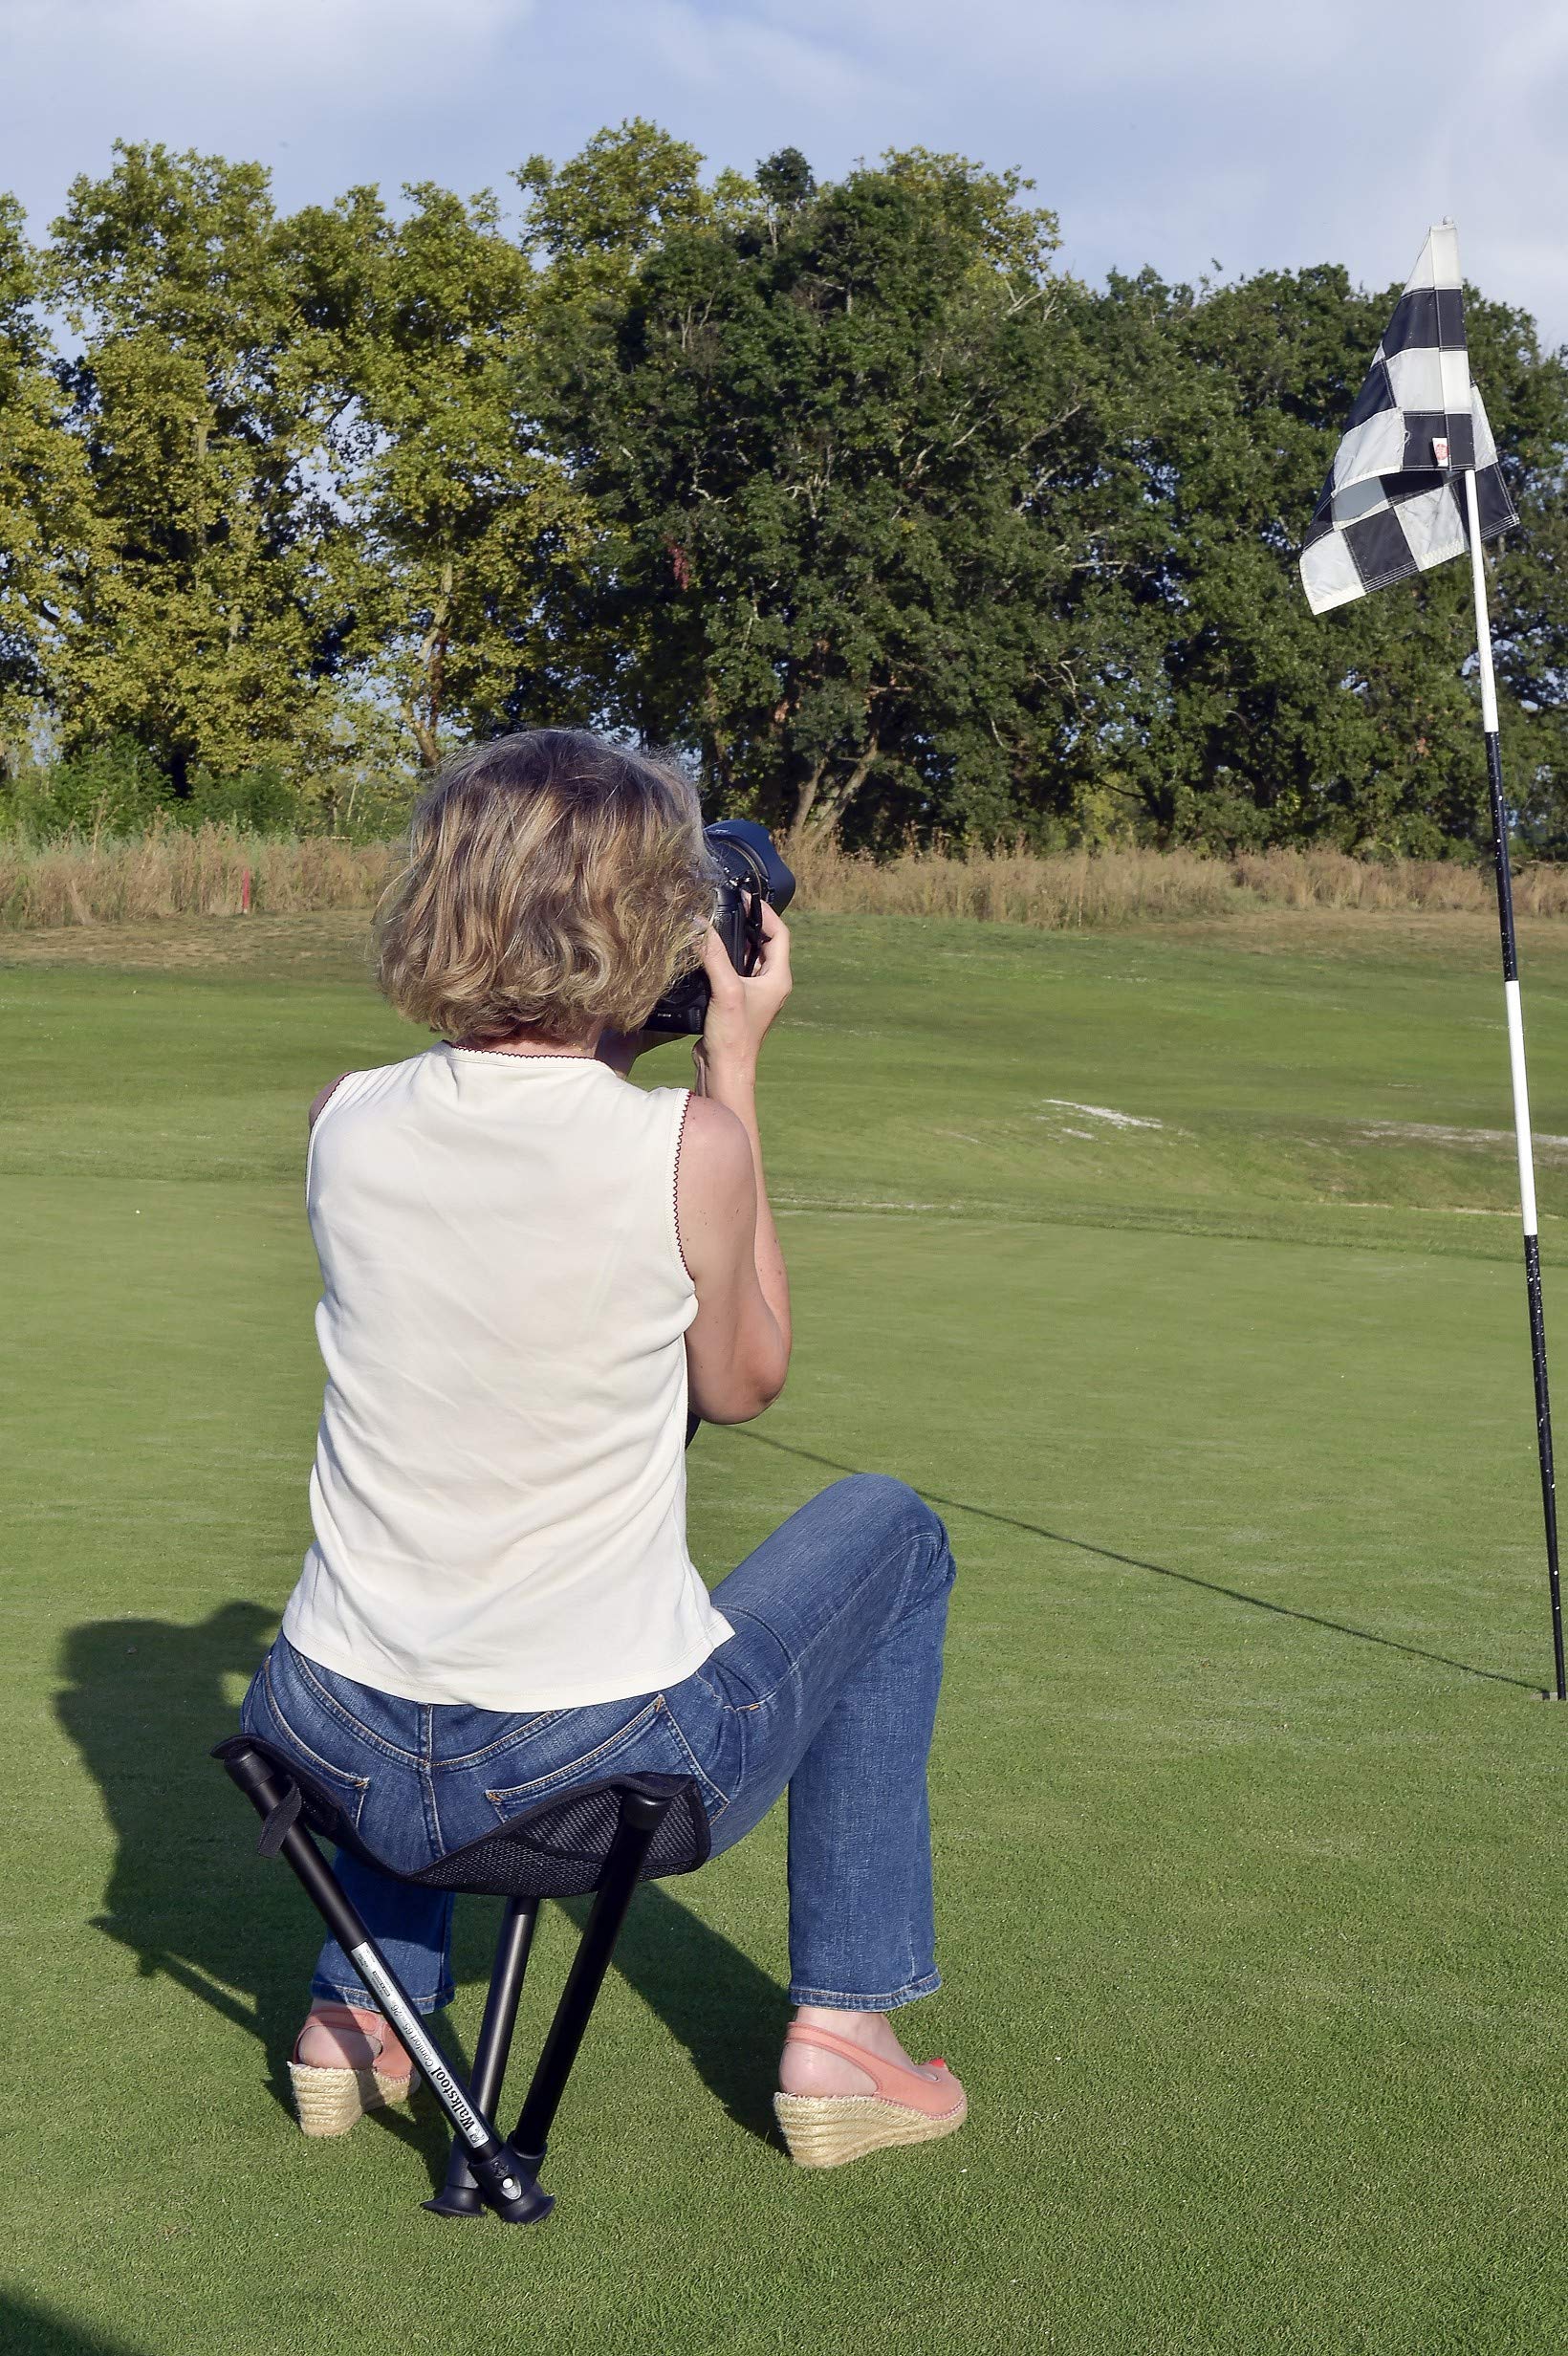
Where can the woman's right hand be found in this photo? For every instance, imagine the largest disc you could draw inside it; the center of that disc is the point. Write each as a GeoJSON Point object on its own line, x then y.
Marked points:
{"type": "Point", "coordinates": [741, 1006]}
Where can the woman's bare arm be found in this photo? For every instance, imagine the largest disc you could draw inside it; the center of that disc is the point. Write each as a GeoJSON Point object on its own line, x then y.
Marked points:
{"type": "Point", "coordinates": [738, 1344]}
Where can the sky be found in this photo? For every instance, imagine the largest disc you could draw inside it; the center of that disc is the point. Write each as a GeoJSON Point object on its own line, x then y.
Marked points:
{"type": "Point", "coordinates": [1183, 133]}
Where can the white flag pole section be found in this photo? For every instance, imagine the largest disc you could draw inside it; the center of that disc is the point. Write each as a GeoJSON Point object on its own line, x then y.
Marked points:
{"type": "Point", "coordinates": [1515, 1057]}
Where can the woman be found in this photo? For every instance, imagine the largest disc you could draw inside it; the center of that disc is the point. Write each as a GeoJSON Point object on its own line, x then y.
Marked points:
{"type": "Point", "coordinates": [529, 1267]}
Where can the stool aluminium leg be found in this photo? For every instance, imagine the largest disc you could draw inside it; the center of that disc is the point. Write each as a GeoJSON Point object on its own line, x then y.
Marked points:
{"type": "Point", "coordinates": [640, 1817]}
{"type": "Point", "coordinates": [506, 2184]}
{"type": "Point", "coordinates": [459, 2196]}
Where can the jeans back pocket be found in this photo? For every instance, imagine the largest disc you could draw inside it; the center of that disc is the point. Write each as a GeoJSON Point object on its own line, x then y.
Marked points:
{"type": "Point", "coordinates": [263, 1714]}
{"type": "Point", "coordinates": [580, 1746]}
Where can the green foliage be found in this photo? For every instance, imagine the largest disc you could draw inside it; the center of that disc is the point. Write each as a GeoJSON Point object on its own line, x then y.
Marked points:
{"type": "Point", "coordinates": [50, 531]}
{"type": "Point", "coordinates": [206, 623]}
{"type": "Point", "coordinates": [455, 518]}
{"type": "Point", "coordinates": [842, 490]}
{"type": "Point", "coordinates": [599, 216]}
{"type": "Point", "coordinates": [112, 788]}
{"type": "Point", "coordinates": [1255, 721]}
{"type": "Point", "coordinates": [263, 801]}
{"type": "Point", "coordinates": [119, 789]}
{"type": "Point", "coordinates": [820, 435]}
{"type": "Point", "coordinates": [903, 529]}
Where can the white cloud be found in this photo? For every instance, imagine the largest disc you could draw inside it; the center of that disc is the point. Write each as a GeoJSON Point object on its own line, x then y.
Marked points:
{"type": "Point", "coordinates": [1162, 131]}
{"type": "Point", "coordinates": [725, 53]}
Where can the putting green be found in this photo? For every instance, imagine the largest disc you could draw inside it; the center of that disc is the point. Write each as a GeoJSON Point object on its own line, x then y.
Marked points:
{"type": "Point", "coordinates": [1250, 1840]}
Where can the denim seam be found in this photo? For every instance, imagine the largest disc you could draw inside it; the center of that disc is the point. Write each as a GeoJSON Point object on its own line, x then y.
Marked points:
{"type": "Point", "coordinates": [740, 1709]}
{"type": "Point", "coordinates": [338, 1775]}
{"type": "Point", "coordinates": [886, 2000]}
{"type": "Point", "coordinates": [353, 1992]}
{"type": "Point", "coordinates": [643, 1718]}
{"type": "Point", "coordinates": [797, 1664]}
{"type": "Point", "coordinates": [502, 1743]}
{"type": "Point", "coordinates": [329, 1702]}
{"type": "Point", "coordinates": [695, 1764]}
{"type": "Point", "coordinates": [736, 1709]}
{"type": "Point", "coordinates": [426, 1779]}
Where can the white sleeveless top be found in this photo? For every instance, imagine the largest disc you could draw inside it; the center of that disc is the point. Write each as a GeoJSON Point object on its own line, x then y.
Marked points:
{"type": "Point", "coordinates": [499, 1491]}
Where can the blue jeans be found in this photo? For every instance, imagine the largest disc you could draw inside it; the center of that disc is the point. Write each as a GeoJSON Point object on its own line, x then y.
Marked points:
{"type": "Point", "coordinates": [829, 1686]}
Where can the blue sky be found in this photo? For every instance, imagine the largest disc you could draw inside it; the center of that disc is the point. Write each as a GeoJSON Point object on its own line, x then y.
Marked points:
{"type": "Point", "coordinates": [1246, 132]}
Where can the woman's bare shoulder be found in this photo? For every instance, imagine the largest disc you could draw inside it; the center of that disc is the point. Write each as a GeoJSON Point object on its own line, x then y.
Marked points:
{"type": "Point", "coordinates": [715, 1147]}
{"type": "Point", "coordinates": [715, 1190]}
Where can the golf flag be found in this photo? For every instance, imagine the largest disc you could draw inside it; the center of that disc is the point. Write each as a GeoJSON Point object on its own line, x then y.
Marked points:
{"type": "Point", "coordinates": [1394, 502]}
{"type": "Point", "coordinates": [1414, 482]}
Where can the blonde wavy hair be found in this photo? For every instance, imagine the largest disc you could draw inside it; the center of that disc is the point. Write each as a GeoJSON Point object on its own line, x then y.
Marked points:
{"type": "Point", "coordinates": [553, 881]}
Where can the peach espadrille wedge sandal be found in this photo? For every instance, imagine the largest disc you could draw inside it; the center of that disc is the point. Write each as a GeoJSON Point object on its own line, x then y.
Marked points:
{"type": "Point", "coordinates": [328, 2102]}
{"type": "Point", "coordinates": [824, 2130]}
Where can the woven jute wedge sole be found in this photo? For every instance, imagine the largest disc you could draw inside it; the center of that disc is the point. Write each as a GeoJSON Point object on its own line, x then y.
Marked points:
{"type": "Point", "coordinates": [329, 2102]}
{"type": "Point", "coordinates": [825, 2130]}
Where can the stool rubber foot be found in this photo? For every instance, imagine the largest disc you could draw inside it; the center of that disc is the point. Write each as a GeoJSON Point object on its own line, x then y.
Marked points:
{"type": "Point", "coordinates": [533, 2206]}
{"type": "Point", "coordinates": [446, 2204]}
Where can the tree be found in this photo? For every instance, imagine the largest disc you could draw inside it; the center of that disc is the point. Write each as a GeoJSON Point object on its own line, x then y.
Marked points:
{"type": "Point", "coordinates": [597, 218]}
{"type": "Point", "coordinates": [847, 448]}
{"type": "Point", "coordinates": [48, 532]}
{"type": "Point", "coordinates": [845, 491]}
{"type": "Point", "coordinates": [420, 336]}
{"type": "Point", "coordinates": [1527, 395]}
{"type": "Point", "coordinates": [1255, 721]}
{"type": "Point", "coordinates": [204, 622]}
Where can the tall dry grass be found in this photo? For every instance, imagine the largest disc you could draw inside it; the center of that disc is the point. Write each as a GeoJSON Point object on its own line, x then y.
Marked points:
{"type": "Point", "coordinates": [170, 872]}
{"type": "Point", "coordinates": [1059, 891]}
{"type": "Point", "coordinates": [1072, 891]}
{"type": "Point", "coordinates": [1322, 879]}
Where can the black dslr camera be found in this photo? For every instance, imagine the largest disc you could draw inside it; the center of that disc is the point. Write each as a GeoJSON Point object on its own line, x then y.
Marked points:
{"type": "Point", "coordinates": [750, 872]}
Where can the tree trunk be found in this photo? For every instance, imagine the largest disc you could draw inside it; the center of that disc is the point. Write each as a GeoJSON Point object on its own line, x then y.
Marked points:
{"type": "Point", "coordinates": [425, 739]}
{"type": "Point", "coordinates": [433, 655]}
{"type": "Point", "coordinates": [825, 810]}
{"type": "Point", "coordinates": [806, 796]}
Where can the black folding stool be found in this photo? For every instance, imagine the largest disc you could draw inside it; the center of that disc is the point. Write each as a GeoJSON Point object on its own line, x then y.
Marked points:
{"type": "Point", "coordinates": [606, 1837]}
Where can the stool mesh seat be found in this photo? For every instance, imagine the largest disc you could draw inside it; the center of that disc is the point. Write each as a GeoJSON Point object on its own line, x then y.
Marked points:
{"type": "Point", "coordinates": [557, 1848]}
{"type": "Point", "coordinates": [605, 1837]}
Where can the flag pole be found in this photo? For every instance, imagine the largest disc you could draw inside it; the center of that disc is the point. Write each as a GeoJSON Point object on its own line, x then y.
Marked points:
{"type": "Point", "coordinates": [1516, 1055]}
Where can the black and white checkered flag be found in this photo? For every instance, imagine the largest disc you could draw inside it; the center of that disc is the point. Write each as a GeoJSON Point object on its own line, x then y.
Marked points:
{"type": "Point", "coordinates": [1394, 503]}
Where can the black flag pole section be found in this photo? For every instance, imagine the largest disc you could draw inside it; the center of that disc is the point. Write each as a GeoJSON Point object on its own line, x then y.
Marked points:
{"type": "Point", "coordinates": [1515, 1054]}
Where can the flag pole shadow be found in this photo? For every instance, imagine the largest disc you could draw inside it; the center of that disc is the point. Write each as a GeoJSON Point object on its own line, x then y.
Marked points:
{"type": "Point", "coordinates": [1158, 1570]}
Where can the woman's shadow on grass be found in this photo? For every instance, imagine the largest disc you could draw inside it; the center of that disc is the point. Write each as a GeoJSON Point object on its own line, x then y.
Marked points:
{"type": "Point", "coordinates": [31, 2330]}
{"type": "Point", "coordinates": [145, 1700]}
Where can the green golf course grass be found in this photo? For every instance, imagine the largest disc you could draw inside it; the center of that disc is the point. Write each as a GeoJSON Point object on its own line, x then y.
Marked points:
{"type": "Point", "coordinates": [1181, 1269]}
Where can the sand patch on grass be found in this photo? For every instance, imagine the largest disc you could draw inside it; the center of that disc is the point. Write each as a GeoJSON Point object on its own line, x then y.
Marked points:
{"type": "Point", "coordinates": [1440, 1133]}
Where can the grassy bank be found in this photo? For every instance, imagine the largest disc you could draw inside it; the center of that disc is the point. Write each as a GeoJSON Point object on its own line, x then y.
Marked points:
{"type": "Point", "coordinates": [1166, 1267]}
{"type": "Point", "coordinates": [202, 871]}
